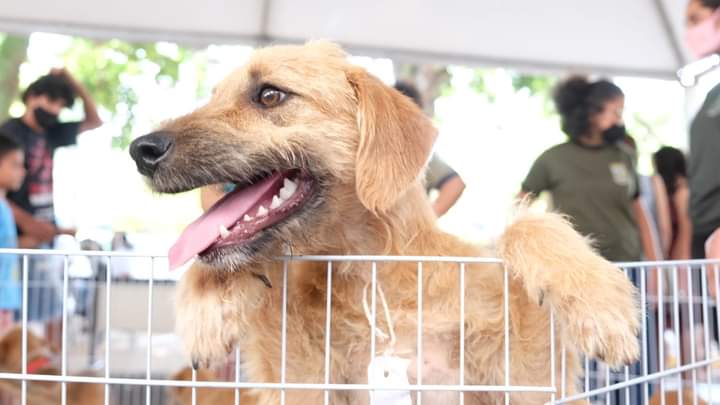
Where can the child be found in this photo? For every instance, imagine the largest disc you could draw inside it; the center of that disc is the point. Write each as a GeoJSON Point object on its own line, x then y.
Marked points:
{"type": "Point", "coordinates": [12, 173]}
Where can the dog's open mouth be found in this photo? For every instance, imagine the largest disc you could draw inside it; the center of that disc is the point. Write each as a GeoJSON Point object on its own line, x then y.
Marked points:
{"type": "Point", "coordinates": [241, 214]}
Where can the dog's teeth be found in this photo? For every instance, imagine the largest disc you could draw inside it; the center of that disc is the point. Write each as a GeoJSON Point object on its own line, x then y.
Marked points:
{"type": "Point", "coordinates": [289, 185]}
{"type": "Point", "coordinates": [288, 189]}
{"type": "Point", "coordinates": [285, 193]}
{"type": "Point", "coordinates": [262, 211]}
{"type": "Point", "coordinates": [276, 201]}
{"type": "Point", "coordinates": [247, 218]}
{"type": "Point", "coordinates": [224, 233]}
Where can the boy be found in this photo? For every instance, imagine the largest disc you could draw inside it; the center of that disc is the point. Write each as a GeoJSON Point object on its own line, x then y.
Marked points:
{"type": "Point", "coordinates": [12, 173]}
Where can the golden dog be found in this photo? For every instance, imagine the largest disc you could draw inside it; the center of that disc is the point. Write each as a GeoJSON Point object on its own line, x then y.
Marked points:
{"type": "Point", "coordinates": [203, 396]}
{"type": "Point", "coordinates": [40, 360]}
{"type": "Point", "coordinates": [328, 160]}
{"type": "Point", "coordinates": [672, 398]}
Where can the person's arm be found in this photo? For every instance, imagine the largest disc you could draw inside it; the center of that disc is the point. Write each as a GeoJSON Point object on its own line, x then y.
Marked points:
{"type": "Point", "coordinates": [27, 242]}
{"type": "Point", "coordinates": [648, 238]}
{"type": "Point", "coordinates": [712, 251]}
{"type": "Point", "coordinates": [662, 206]}
{"type": "Point", "coordinates": [536, 181]}
{"type": "Point", "coordinates": [448, 194]}
{"type": "Point", "coordinates": [650, 246]}
{"type": "Point", "coordinates": [92, 118]}
{"type": "Point", "coordinates": [35, 231]}
{"type": "Point", "coordinates": [683, 243]}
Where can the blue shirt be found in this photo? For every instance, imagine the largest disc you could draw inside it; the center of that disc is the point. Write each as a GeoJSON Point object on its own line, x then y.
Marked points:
{"type": "Point", "coordinates": [9, 277]}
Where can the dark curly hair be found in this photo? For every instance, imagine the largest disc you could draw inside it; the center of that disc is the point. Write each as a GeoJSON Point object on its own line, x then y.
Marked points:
{"type": "Point", "coordinates": [713, 4]}
{"type": "Point", "coordinates": [410, 91]}
{"type": "Point", "coordinates": [670, 164]}
{"type": "Point", "coordinates": [8, 144]}
{"type": "Point", "coordinates": [53, 86]}
{"type": "Point", "coordinates": [577, 99]}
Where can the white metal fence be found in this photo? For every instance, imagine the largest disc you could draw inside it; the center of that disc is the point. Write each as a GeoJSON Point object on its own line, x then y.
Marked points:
{"type": "Point", "coordinates": [119, 331]}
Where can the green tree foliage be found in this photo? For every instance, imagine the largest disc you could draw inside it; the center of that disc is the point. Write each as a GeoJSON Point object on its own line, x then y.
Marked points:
{"type": "Point", "coordinates": [106, 69]}
{"type": "Point", "coordinates": [13, 51]}
{"type": "Point", "coordinates": [538, 86]}
{"type": "Point", "coordinates": [535, 85]}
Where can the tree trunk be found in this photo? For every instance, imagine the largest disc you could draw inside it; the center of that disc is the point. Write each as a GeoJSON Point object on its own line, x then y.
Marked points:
{"type": "Point", "coordinates": [13, 52]}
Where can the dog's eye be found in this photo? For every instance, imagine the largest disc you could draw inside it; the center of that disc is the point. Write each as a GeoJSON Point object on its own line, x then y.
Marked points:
{"type": "Point", "coordinates": [270, 96]}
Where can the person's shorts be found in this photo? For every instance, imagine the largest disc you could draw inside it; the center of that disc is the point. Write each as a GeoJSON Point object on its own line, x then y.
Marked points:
{"type": "Point", "coordinates": [44, 288]}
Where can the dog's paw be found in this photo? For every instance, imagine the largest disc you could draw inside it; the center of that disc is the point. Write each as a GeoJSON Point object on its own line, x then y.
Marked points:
{"type": "Point", "coordinates": [205, 322]}
{"type": "Point", "coordinates": [613, 341]}
{"type": "Point", "coordinates": [604, 322]}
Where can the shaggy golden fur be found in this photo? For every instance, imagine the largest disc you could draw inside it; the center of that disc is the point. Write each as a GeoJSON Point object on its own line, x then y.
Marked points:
{"type": "Point", "coordinates": [203, 396]}
{"type": "Point", "coordinates": [40, 392]}
{"type": "Point", "coordinates": [366, 145]}
{"type": "Point", "coordinates": [672, 398]}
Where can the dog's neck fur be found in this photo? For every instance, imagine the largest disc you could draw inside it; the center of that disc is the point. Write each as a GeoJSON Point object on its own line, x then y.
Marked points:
{"type": "Point", "coordinates": [402, 230]}
{"type": "Point", "coordinates": [411, 216]}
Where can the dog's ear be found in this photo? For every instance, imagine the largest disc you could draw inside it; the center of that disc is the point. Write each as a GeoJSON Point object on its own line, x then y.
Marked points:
{"type": "Point", "coordinates": [396, 139]}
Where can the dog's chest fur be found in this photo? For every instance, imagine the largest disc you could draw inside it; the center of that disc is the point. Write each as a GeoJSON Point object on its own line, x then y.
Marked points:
{"type": "Point", "coordinates": [397, 285]}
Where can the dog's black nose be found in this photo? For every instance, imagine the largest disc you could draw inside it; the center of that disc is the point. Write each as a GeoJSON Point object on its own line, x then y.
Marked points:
{"type": "Point", "coordinates": [151, 149]}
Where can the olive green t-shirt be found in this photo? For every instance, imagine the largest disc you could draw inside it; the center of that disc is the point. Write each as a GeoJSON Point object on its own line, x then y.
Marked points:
{"type": "Point", "coordinates": [704, 166]}
{"type": "Point", "coordinates": [596, 188]}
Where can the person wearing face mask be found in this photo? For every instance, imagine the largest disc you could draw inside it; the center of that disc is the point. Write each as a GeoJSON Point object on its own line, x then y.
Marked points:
{"type": "Point", "coordinates": [703, 39]}
{"type": "Point", "coordinates": [592, 177]}
{"type": "Point", "coordinates": [40, 133]}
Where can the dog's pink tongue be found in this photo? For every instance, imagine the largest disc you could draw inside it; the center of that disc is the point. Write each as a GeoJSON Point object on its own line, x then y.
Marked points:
{"type": "Point", "coordinates": [200, 234]}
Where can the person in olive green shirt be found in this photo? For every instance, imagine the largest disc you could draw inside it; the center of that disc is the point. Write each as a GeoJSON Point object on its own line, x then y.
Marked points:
{"type": "Point", "coordinates": [592, 177]}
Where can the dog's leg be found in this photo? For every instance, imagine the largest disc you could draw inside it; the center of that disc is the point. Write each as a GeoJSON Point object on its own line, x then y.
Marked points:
{"type": "Point", "coordinates": [595, 304]}
{"type": "Point", "coordinates": [217, 310]}
{"type": "Point", "coordinates": [212, 308]}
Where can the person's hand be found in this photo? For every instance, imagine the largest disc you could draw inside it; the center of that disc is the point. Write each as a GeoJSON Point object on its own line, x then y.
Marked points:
{"type": "Point", "coordinates": [27, 242]}
{"type": "Point", "coordinates": [66, 231]}
{"type": "Point", "coordinates": [712, 292]}
{"type": "Point", "coordinates": [43, 231]}
{"type": "Point", "coordinates": [59, 71]}
{"type": "Point", "coordinates": [652, 300]}
{"type": "Point", "coordinates": [62, 72]}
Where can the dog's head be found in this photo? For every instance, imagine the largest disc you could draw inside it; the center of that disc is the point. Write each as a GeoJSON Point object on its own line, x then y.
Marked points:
{"type": "Point", "coordinates": [310, 142]}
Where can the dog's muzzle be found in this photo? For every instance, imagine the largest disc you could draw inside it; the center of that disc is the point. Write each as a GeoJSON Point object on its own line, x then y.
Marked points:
{"type": "Point", "coordinates": [150, 150]}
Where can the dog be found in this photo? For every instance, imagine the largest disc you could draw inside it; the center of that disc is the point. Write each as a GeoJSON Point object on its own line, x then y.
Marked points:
{"type": "Point", "coordinates": [327, 160]}
{"type": "Point", "coordinates": [41, 359]}
{"type": "Point", "coordinates": [203, 396]}
{"type": "Point", "coordinates": [672, 398]}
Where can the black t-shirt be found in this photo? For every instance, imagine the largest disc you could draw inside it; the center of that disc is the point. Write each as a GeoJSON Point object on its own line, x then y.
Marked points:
{"type": "Point", "coordinates": [36, 193]}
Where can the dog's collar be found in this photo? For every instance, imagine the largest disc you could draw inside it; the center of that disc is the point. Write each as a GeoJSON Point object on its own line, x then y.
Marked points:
{"type": "Point", "coordinates": [37, 364]}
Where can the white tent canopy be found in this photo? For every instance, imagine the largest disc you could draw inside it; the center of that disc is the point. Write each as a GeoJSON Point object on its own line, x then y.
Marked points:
{"type": "Point", "coordinates": [621, 37]}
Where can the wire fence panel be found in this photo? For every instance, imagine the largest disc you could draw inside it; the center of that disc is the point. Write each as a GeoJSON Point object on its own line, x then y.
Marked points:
{"type": "Point", "coordinates": [98, 339]}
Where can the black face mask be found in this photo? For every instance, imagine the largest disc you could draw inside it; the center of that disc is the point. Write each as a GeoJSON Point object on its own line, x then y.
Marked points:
{"type": "Point", "coordinates": [44, 118]}
{"type": "Point", "coordinates": [614, 134]}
